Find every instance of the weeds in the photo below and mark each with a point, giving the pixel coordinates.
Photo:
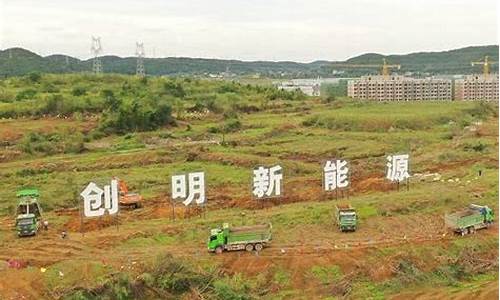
(170, 278)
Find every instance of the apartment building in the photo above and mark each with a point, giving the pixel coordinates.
(399, 88)
(477, 87)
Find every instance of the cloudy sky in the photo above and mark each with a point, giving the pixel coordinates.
(248, 30)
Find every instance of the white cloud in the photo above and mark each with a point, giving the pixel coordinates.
(245, 29)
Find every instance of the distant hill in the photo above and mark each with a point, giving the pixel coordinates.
(455, 61)
(18, 61)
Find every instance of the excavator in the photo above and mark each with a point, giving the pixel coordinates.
(127, 199)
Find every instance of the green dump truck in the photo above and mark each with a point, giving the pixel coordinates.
(346, 217)
(28, 213)
(469, 220)
(247, 238)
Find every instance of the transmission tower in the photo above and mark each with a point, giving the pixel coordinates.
(96, 49)
(139, 51)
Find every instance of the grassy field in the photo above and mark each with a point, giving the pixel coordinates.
(401, 249)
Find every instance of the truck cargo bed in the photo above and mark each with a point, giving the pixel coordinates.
(247, 234)
(344, 207)
(463, 219)
(252, 228)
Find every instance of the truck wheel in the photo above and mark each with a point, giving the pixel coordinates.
(218, 250)
(249, 247)
(258, 247)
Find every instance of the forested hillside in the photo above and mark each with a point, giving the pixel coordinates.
(18, 61)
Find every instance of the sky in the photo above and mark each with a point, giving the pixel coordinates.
(247, 29)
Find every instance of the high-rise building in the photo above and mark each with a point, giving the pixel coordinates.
(399, 88)
(477, 87)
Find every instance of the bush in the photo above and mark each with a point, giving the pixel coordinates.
(172, 275)
(225, 291)
(227, 87)
(135, 116)
(170, 278)
(232, 126)
(79, 91)
(52, 143)
(477, 147)
(174, 89)
(54, 105)
(34, 77)
(110, 101)
(26, 94)
(6, 96)
(482, 110)
(48, 87)
(333, 90)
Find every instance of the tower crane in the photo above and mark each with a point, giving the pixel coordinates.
(485, 63)
(385, 69)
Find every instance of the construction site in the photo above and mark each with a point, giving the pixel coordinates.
(433, 234)
(223, 150)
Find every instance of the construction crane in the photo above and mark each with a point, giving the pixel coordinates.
(485, 63)
(385, 69)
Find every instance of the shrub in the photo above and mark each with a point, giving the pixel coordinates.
(54, 105)
(110, 101)
(174, 89)
(227, 87)
(79, 91)
(52, 143)
(34, 77)
(232, 125)
(48, 87)
(477, 147)
(6, 96)
(135, 116)
(482, 110)
(25, 94)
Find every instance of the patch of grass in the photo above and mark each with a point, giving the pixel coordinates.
(326, 274)
(367, 290)
(282, 277)
(366, 211)
(75, 273)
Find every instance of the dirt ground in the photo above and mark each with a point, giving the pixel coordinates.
(101, 237)
(98, 239)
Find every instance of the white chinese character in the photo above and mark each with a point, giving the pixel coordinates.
(267, 181)
(194, 190)
(93, 199)
(335, 175)
(397, 167)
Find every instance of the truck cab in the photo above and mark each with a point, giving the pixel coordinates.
(28, 212)
(346, 218)
(217, 239)
(485, 211)
(27, 224)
